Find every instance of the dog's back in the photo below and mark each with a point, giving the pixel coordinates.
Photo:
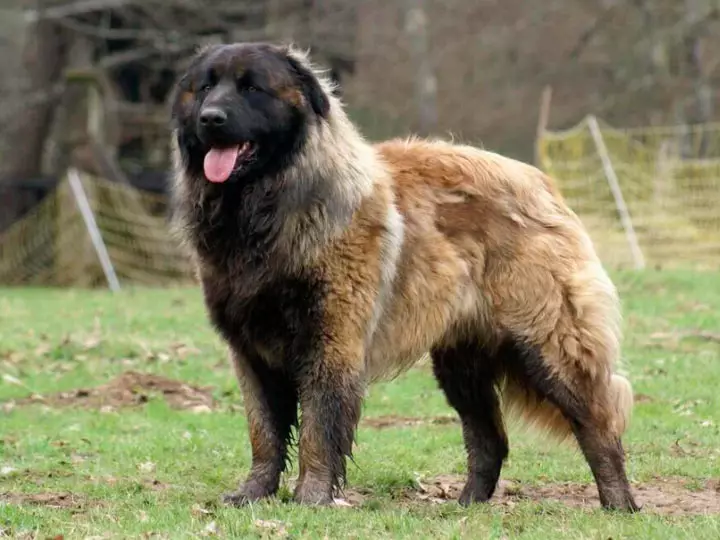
(500, 281)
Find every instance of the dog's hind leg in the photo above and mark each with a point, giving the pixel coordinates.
(270, 400)
(589, 405)
(565, 332)
(468, 376)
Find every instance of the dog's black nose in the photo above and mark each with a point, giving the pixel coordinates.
(212, 116)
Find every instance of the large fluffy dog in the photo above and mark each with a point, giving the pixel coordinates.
(327, 262)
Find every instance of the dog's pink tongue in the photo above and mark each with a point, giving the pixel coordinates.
(219, 163)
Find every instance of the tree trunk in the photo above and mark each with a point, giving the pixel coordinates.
(27, 117)
(416, 28)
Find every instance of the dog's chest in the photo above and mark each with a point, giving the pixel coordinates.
(280, 321)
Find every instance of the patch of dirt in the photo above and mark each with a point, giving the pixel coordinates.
(671, 496)
(66, 501)
(128, 390)
(392, 421)
(692, 334)
(151, 484)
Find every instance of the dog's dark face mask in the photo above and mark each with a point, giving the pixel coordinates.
(241, 111)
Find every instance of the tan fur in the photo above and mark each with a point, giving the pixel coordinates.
(427, 243)
(485, 240)
(489, 242)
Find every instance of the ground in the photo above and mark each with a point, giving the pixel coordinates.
(120, 417)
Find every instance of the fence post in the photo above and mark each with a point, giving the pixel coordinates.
(543, 119)
(417, 30)
(612, 180)
(92, 228)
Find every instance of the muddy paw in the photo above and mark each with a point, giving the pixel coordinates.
(313, 495)
(248, 493)
(475, 493)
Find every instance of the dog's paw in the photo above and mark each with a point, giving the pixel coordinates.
(475, 492)
(249, 492)
(313, 494)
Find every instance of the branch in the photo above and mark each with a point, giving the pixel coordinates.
(604, 18)
(110, 33)
(76, 8)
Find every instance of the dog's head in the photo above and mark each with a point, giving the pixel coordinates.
(242, 110)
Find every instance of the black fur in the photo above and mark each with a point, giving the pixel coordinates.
(311, 89)
(278, 393)
(332, 400)
(270, 315)
(242, 79)
(468, 374)
(283, 318)
(605, 457)
(237, 224)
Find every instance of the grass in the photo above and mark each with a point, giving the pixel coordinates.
(155, 470)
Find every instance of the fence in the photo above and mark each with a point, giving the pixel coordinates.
(668, 178)
(52, 246)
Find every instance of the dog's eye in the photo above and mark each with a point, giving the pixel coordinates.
(205, 87)
(251, 89)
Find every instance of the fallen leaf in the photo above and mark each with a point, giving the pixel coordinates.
(10, 379)
(8, 406)
(445, 490)
(198, 511)
(7, 470)
(91, 343)
(200, 409)
(146, 467)
(211, 529)
(278, 527)
(42, 349)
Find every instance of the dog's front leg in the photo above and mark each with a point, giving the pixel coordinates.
(270, 400)
(330, 401)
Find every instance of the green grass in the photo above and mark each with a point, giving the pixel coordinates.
(154, 469)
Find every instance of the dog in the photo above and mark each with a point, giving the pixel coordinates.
(327, 263)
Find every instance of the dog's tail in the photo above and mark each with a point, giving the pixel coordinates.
(621, 396)
(521, 402)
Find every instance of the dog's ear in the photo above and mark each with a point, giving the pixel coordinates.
(309, 84)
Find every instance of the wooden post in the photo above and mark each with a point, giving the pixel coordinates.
(543, 119)
(93, 230)
(416, 27)
(612, 180)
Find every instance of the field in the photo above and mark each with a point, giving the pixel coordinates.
(120, 417)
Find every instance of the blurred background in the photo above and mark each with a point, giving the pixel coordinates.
(615, 98)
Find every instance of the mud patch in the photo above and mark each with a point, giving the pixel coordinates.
(130, 389)
(392, 421)
(64, 500)
(669, 497)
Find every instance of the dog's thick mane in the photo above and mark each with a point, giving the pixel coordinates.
(283, 219)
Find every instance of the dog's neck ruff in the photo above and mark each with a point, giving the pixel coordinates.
(285, 220)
